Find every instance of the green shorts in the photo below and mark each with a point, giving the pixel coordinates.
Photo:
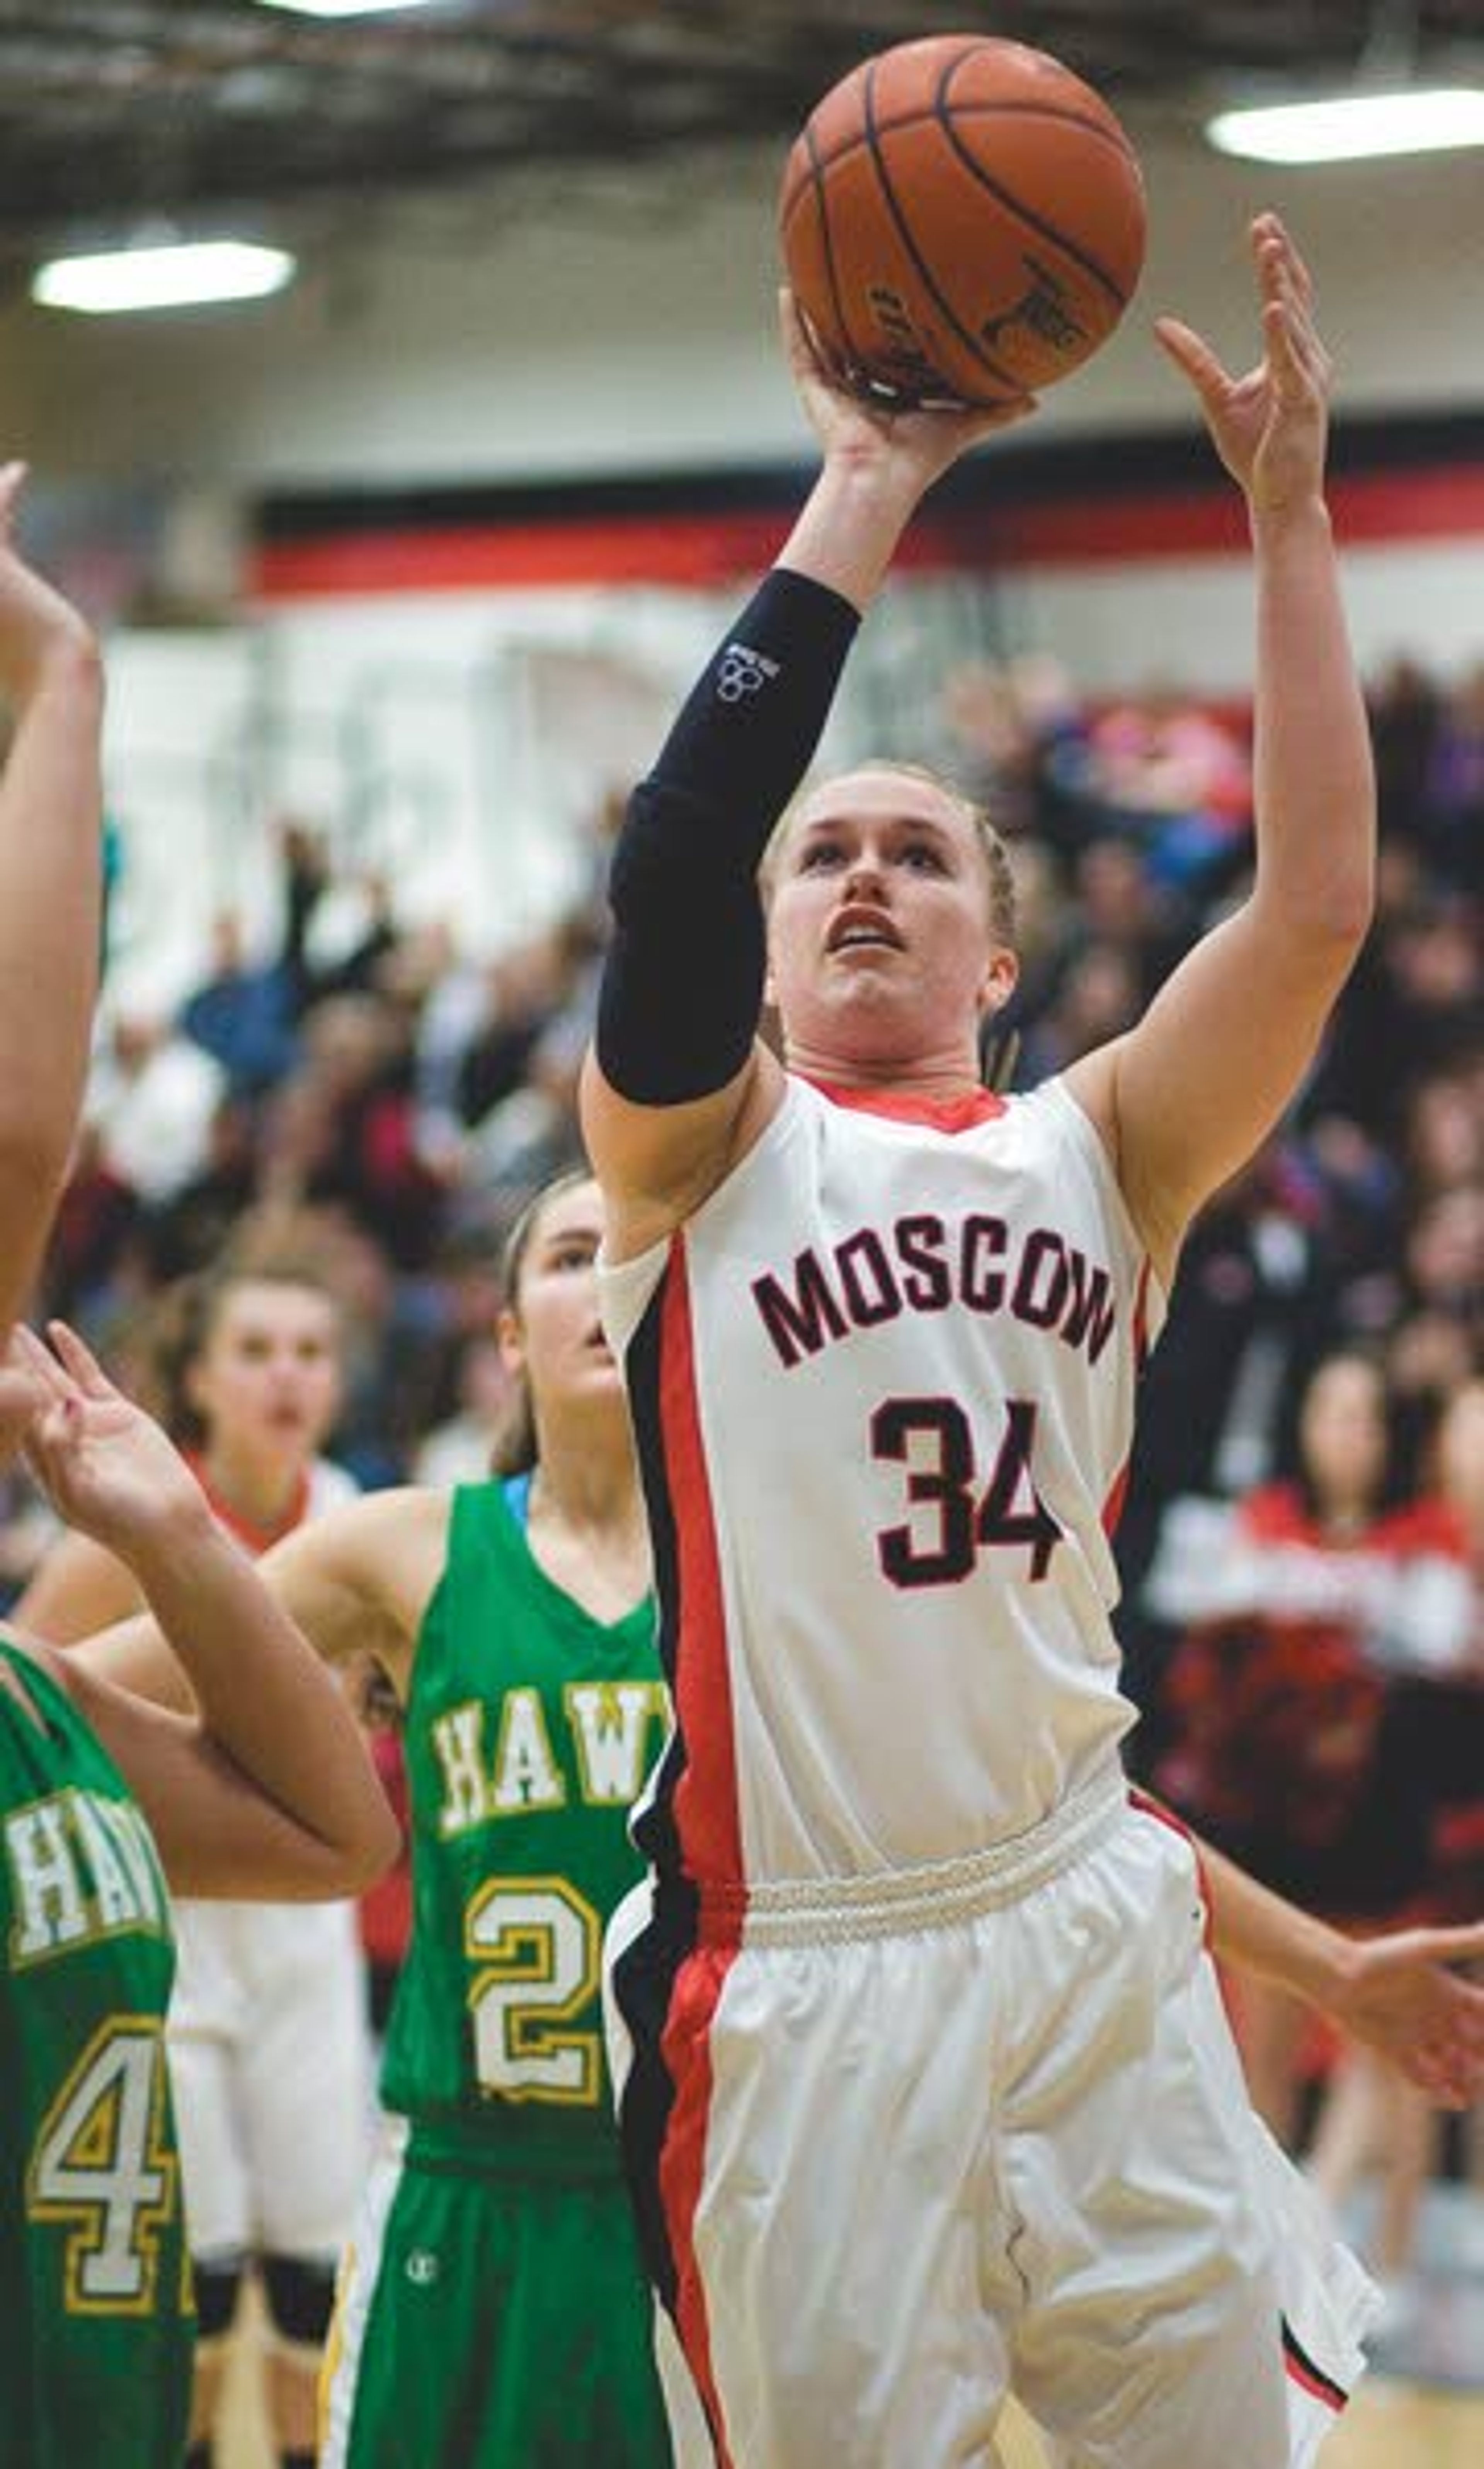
(484, 2323)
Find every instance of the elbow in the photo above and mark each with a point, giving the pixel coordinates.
(363, 1857)
(379, 1851)
(1340, 924)
(1330, 917)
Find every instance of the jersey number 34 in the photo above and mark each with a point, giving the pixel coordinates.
(934, 1439)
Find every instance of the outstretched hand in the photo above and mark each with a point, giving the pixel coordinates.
(35, 618)
(1269, 427)
(1404, 2003)
(926, 440)
(105, 1464)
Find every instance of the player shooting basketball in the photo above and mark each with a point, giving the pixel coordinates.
(932, 2094)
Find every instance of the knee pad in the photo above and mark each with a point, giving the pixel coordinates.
(299, 2295)
(219, 2280)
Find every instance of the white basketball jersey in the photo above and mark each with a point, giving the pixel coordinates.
(883, 1387)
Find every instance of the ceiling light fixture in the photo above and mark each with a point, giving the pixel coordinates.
(183, 274)
(344, 7)
(1345, 128)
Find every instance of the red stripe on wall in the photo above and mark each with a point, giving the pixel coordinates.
(699, 550)
(710, 550)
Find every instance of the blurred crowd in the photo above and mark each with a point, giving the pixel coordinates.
(1303, 1544)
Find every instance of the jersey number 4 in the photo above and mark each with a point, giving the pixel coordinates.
(934, 1439)
(103, 2162)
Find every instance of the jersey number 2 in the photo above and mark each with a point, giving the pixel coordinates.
(538, 1944)
(934, 1439)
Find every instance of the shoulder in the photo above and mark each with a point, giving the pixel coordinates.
(380, 1554)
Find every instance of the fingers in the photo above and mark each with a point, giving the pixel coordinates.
(793, 329)
(80, 1361)
(1457, 1945)
(1193, 357)
(1295, 355)
(1272, 242)
(806, 354)
(26, 1350)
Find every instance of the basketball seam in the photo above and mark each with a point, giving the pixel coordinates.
(826, 241)
(991, 368)
(990, 110)
(1034, 221)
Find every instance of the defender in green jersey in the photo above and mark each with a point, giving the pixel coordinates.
(491, 2308)
(267, 1788)
(493, 2312)
(96, 2320)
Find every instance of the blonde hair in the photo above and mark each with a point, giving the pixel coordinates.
(991, 845)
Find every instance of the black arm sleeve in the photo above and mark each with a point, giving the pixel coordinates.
(684, 977)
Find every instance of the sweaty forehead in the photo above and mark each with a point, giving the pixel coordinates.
(578, 1209)
(870, 796)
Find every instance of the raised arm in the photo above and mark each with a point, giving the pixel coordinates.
(50, 681)
(266, 1787)
(1186, 1097)
(678, 1085)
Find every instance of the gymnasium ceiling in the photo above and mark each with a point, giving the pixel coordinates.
(121, 109)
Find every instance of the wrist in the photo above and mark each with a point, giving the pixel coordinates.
(1278, 521)
(68, 659)
(1323, 1968)
(172, 1541)
(872, 480)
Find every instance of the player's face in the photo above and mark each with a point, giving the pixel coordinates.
(881, 946)
(268, 1376)
(553, 1335)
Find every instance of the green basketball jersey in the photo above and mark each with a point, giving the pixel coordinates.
(96, 2320)
(530, 1728)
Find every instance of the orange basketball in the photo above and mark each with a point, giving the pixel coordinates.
(961, 218)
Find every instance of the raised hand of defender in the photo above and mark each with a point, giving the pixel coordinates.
(105, 1464)
(1404, 2003)
(858, 427)
(34, 619)
(1269, 427)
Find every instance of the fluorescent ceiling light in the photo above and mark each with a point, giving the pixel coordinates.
(185, 275)
(1423, 121)
(344, 7)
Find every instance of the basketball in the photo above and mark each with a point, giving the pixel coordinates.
(961, 218)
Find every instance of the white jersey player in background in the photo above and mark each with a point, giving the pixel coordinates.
(932, 2096)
